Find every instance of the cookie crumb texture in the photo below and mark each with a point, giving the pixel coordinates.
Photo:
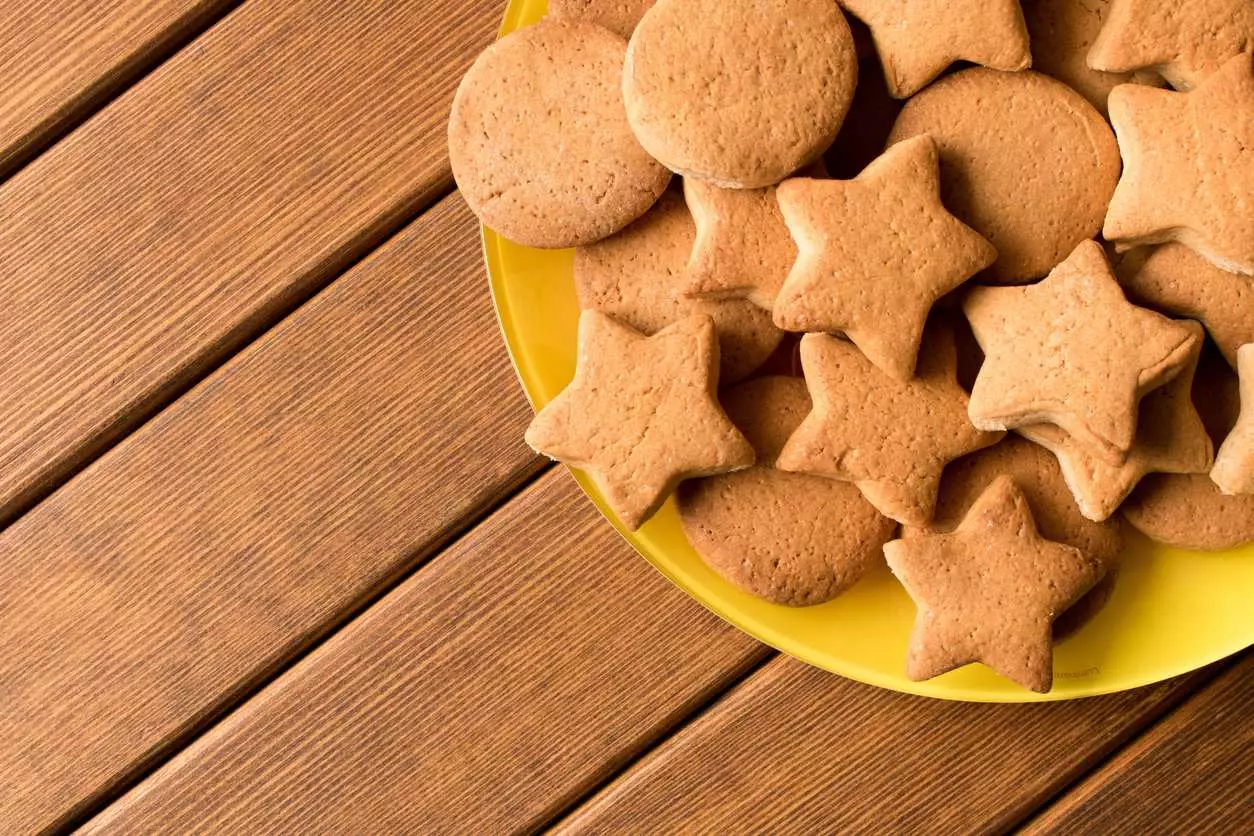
(539, 141)
(790, 538)
(741, 93)
(619, 16)
(1035, 181)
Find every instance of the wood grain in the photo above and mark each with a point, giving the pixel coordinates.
(794, 750)
(251, 517)
(60, 59)
(215, 195)
(1192, 773)
(517, 670)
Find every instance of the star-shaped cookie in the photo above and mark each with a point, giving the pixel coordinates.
(1071, 351)
(990, 591)
(742, 249)
(892, 438)
(876, 252)
(1184, 40)
(1234, 467)
(1171, 438)
(1188, 171)
(918, 39)
(641, 414)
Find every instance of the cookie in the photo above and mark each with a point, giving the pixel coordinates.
(636, 277)
(891, 438)
(1035, 471)
(790, 538)
(1071, 351)
(641, 414)
(917, 40)
(1188, 167)
(876, 253)
(990, 591)
(1184, 40)
(743, 248)
(1063, 32)
(1234, 468)
(1035, 180)
(1190, 512)
(1170, 439)
(619, 16)
(1174, 279)
(741, 93)
(554, 79)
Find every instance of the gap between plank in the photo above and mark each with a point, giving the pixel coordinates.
(1156, 718)
(562, 811)
(112, 86)
(86, 810)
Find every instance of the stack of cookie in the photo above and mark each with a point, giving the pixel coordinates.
(1001, 312)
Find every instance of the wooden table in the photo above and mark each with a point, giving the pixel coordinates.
(275, 558)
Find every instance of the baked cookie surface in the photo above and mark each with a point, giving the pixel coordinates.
(1035, 181)
(556, 78)
(742, 106)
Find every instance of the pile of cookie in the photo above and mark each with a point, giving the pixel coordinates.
(998, 282)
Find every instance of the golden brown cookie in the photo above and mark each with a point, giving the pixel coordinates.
(1173, 278)
(619, 16)
(876, 253)
(641, 414)
(989, 592)
(891, 438)
(636, 277)
(917, 39)
(743, 249)
(1234, 467)
(741, 93)
(554, 79)
(1170, 438)
(1035, 472)
(1035, 180)
(1063, 32)
(1184, 40)
(1190, 512)
(1188, 167)
(790, 538)
(1071, 351)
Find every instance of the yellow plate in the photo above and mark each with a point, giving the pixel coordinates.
(1172, 611)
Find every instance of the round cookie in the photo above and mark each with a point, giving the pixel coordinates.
(636, 276)
(619, 16)
(739, 92)
(1190, 512)
(1035, 471)
(539, 142)
(1025, 160)
(790, 538)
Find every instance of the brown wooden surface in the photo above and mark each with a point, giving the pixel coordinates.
(530, 671)
(483, 696)
(251, 516)
(1192, 773)
(218, 192)
(795, 750)
(60, 59)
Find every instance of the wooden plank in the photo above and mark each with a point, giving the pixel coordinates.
(516, 671)
(794, 750)
(214, 196)
(1192, 773)
(251, 517)
(61, 59)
